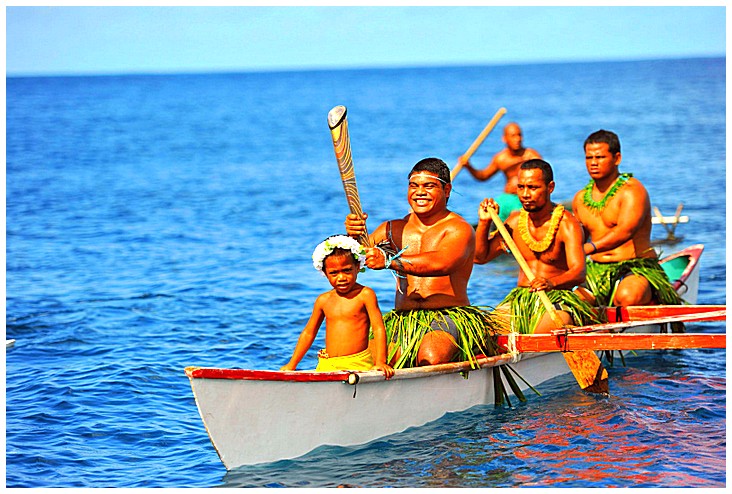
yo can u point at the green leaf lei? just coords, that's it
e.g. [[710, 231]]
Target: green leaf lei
[[598, 206]]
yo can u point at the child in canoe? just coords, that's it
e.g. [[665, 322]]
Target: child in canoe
[[349, 310]]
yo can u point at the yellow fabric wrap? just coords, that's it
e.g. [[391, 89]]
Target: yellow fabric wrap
[[361, 361]]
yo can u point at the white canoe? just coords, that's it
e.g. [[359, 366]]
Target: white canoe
[[262, 416]]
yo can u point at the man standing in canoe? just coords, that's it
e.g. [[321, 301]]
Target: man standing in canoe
[[550, 239], [507, 161], [615, 210], [430, 251]]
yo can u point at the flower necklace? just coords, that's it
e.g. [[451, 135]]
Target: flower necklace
[[599, 206], [544, 243]]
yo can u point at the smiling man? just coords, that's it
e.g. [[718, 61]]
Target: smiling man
[[550, 240], [431, 252]]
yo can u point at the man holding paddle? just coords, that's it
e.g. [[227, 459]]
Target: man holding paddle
[[507, 161], [547, 241], [615, 210], [430, 251]]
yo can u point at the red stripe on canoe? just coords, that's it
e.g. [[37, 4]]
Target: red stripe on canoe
[[262, 375]]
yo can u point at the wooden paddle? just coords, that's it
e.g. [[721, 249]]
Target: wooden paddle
[[342, 146], [584, 364], [478, 141]]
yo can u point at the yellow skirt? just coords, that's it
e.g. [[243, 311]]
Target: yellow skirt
[[361, 361]]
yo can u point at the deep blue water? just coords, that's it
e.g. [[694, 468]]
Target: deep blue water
[[156, 222]]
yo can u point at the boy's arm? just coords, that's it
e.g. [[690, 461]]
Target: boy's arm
[[305, 341], [377, 327]]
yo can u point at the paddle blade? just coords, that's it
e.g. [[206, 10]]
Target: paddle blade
[[588, 371], [338, 124]]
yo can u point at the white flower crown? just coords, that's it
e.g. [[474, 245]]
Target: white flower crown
[[327, 246]]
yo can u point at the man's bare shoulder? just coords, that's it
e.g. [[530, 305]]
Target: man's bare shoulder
[[454, 220], [633, 189], [396, 223], [503, 156], [636, 184], [531, 154], [578, 203], [512, 219], [569, 219]]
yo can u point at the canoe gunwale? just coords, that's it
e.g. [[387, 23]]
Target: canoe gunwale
[[343, 376]]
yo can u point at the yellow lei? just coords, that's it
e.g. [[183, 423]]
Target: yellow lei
[[544, 243]]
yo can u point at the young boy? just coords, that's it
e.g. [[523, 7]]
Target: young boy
[[349, 310]]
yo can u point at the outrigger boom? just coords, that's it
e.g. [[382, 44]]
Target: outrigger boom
[[617, 341]]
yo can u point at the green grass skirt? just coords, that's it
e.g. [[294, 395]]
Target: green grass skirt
[[602, 279], [476, 325], [527, 309]]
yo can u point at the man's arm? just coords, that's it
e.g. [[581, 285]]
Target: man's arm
[[486, 172], [456, 246], [487, 247], [356, 226]]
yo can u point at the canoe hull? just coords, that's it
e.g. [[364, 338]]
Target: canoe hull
[[263, 416], [311, 414]]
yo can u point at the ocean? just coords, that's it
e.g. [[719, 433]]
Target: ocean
[[155, 222]]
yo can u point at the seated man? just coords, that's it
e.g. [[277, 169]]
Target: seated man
[[550, 240], [431, 252], [615, 210]]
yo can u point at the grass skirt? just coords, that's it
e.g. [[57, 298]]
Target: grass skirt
[[527, 310], [406, 328], [602, 279]]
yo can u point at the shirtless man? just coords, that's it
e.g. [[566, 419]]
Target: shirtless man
[[507, 161], [430, 251], [615, 210], [550, 240]]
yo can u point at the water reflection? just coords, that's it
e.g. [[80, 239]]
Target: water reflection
[[650, 432]]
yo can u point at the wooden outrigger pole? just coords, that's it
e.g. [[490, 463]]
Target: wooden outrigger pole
[[527, 343]]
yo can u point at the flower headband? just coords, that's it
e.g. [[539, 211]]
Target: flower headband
[[326, 247]]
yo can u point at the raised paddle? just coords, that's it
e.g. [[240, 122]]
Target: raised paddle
[[342, 146], [478, 141], [584, 364]]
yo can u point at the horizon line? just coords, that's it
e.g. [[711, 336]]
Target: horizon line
[[285, 69]]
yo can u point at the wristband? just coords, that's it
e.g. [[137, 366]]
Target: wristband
[[594, 247]]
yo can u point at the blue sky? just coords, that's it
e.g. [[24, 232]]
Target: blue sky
[[136, 39]]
